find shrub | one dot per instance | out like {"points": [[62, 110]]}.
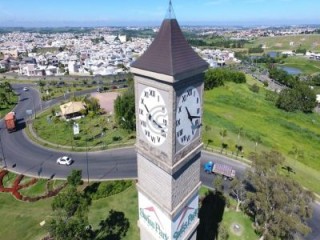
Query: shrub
{"points": [[265, 83], [74, 178], [106, 189], [254, 88], [271, 96], [116, 138]]}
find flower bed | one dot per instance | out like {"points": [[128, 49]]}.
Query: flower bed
{"points": [[17, 186]]}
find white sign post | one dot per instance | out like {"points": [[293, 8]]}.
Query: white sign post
{"points": [[76, 129]]}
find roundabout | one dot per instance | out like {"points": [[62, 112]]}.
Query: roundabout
{"points": [[22, 156]]}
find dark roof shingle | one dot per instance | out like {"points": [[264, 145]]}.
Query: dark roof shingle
{"points": [[169, 53]]}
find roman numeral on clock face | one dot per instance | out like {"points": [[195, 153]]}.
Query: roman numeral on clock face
{"points": [[188, 115], [153, 119]]}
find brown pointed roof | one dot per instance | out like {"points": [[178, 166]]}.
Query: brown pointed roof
{"points": [[170, 54]]}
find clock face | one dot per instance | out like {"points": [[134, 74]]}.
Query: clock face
{"points": [[153, 116], [188, 117]]}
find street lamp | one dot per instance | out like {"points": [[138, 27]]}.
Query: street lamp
{"points": [[34, 108], [87, 158]]}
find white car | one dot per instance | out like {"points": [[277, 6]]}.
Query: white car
{"points": [[25, 89], [65, 160]]}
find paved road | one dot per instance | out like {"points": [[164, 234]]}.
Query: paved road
{"points": [[25, 157]]}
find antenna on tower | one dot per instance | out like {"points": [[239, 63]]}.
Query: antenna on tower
{"points": [[170, 13]]}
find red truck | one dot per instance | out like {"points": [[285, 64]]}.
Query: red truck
{"points": [[10, 121]]}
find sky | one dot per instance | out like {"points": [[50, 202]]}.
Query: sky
{"points": [[42, 13]]}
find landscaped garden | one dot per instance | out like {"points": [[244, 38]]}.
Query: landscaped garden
{"points": [[21, 219], [97, 131]]}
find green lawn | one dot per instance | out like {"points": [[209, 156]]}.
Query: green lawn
{"points": [[245, 232], [125, 202], [60, 132], [20, 220], [281, 43], [258, 125]]}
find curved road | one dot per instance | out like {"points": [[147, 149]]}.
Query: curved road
{"points": [[22, 156]]}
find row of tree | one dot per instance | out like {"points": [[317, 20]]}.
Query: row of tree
{"points": [[278, 206], [298, 96], [218, 76], [282, 76], [258, 49], [216, 41]]}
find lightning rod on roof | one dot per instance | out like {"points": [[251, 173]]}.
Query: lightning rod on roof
{"points": [[170, 12]]}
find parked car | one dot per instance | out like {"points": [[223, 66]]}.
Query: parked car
{"points": [[25, 89], [65, 160]]}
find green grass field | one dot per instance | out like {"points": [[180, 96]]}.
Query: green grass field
{"points": [[258, 125], [20, 220], [282, 43], [60, 132], [125, 202], [307, 66]]}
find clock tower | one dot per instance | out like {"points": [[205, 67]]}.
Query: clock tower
{"points": [[169, 98]]}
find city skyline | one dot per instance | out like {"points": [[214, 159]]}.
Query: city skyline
{"points": [[59, 13]]}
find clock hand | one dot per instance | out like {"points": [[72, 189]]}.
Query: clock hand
{"points": [[146, 107], [150, 117], [190, 117], [157, 124]]}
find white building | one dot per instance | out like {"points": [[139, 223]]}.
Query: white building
{"points": [[72, 67]]}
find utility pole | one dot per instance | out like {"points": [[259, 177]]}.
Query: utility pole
{"points": [[87, 158]]}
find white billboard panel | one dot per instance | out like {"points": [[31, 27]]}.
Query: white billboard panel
{"points": [[161, 225]]}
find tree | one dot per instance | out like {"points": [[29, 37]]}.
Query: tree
{"points": [[299, 98], [92, 104], [73, 229], [239, 149], [3, 99], [115, 227], [8, 89], [70, 219], [223, 133], [209, 142], [124, 107], [70, 202], [237, 189], [278, 205], [218, 183], [214, 78], [74, 179]]}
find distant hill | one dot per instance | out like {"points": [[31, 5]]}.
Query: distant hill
{"points": [[281, 43]]}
